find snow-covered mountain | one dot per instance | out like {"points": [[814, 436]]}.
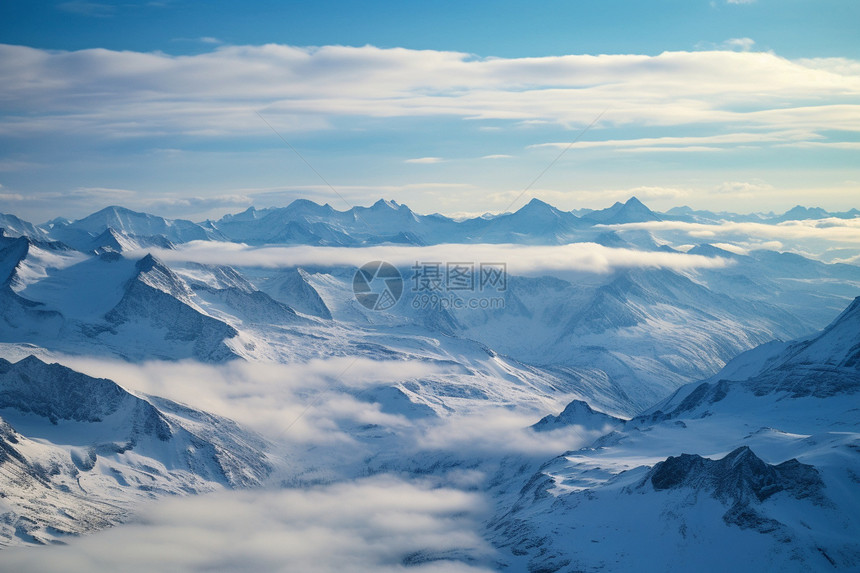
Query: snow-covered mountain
{"points": [[579, 413], [824, 365], [156, 300], [12, 226], [292, 287], [604, 328], [131, 222], [612, 327], [645, 417], [632, 211], [761, 458], [120, 242], [304, 222], [61, 299]]}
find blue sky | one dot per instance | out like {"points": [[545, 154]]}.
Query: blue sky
{"points": [[451, 107]]}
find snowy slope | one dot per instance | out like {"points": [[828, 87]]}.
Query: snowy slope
{"points": [[291, 287], [156, 300], [133, 223], [12, 226], [79, 453], [135, 309], [632, 211], [579, 413], [761, 458], [649, 330]]}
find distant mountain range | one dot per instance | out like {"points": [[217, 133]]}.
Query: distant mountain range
{"points": [[304, 222]]}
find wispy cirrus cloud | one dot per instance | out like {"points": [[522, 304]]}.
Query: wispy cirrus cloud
{"points": [[425, 160], [720, 142], [743, 44]]}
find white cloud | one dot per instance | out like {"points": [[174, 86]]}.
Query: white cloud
{"points": [[195, 204], [732, 248], [500, 431], [299, 401], [743, 44], [380, 524], [521, 259], [126, 94], [830, 229], [425, 160], [101, 193], [11, 196], [655, 192], [852, 145], [743, 189], [698, 143]]}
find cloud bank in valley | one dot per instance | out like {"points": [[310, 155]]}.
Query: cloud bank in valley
{"points": [[380, 524], [520, 259], [305, 404], [297, 403], [830, 229]]}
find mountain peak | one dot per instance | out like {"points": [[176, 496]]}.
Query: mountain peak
{"points": [[633, 211], [155, 274], [740, 477], [56, 392], [577, 413], [535, 202], [801, 213], [839, 343], [306, 204], [537, 207], [115, 210], [148, 263], [387, 204]]}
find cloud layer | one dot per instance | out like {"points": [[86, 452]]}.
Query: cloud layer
{"points": [[298, 402], [520, 259], [127, 94], [830, 229], [380, 524], [172, 127]]}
